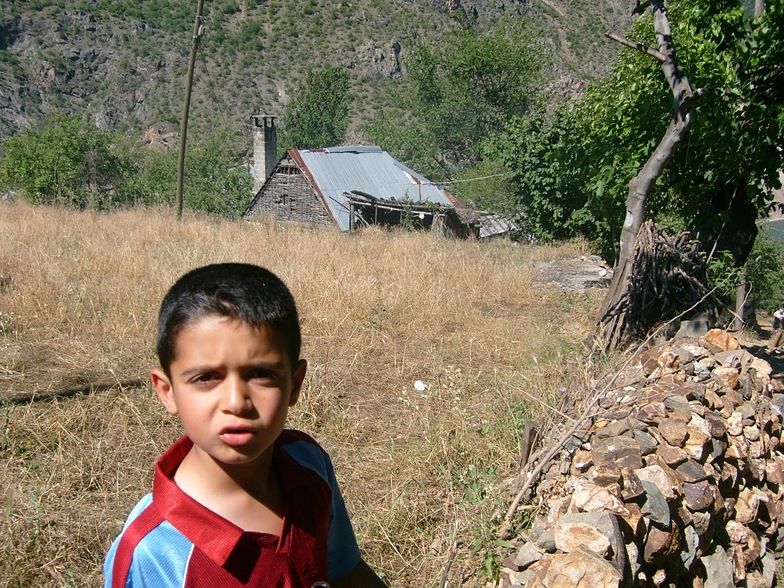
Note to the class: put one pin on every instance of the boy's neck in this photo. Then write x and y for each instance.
(249, 495)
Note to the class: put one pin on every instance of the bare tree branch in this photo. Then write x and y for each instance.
(635, 45)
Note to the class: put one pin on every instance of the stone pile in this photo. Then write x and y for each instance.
(678, 480)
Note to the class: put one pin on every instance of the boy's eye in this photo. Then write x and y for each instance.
(262, 375)
(204, 378)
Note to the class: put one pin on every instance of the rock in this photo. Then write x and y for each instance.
(631, 485)
(732, 398)
(645, 441)
(659, 577)
(622, 451)
(669, 359)
(614, 429)
(761, 367)
(738, 559)
(545, 541)
(735, 424)
(716, 425)
(729, 475)
(582, 460)
(526, 555)
(718, 569)
(606, 475)
(718, 340)
(698, 496)
(691, 471)
(701, 521)
(635, 521)
(655, 506)
(729, 358)
(589, 497)
(691, 543)
(661, 543)
(678, 405)
(602, 522)
(716, 449)
(738, 448)
(673, 431)
(690, 475)
(633, 557)
(571, 536)
(649, 362)
(670, 455)
(714, 400)
(652, 412)
(748, 504)
(664, 478)
(726, 376)
(774, 470)
(578, 569)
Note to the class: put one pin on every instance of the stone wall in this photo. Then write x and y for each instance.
(287, 197)
(676, 480)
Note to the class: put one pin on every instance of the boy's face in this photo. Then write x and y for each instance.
(231, 386)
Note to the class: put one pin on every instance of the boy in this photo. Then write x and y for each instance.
(238, 501)
(778, 327)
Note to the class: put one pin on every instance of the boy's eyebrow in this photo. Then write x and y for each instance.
(258, 365)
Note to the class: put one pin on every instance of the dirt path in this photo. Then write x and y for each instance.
(574, 274)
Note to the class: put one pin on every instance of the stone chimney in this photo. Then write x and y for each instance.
(265, 148)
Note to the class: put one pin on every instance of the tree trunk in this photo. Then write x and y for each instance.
(609, 327)
(740, 302)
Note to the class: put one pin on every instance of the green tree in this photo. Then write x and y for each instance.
(66, 161)
(318, 113)
(461, 91)
(764, 273)
(214, 181)
(572, 171)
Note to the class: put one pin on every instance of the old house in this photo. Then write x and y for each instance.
(352, 186)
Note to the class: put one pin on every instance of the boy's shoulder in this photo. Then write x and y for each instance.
(306, 452)
(295, 435)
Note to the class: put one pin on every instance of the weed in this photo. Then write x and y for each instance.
(420, 379)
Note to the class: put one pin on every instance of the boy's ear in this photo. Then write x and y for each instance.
(296, 381)
(163, 388)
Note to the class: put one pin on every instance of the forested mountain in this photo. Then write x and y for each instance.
(124, 61)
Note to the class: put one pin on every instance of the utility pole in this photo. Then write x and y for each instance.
(197, 32)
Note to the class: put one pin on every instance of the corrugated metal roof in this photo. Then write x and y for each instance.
(491, 224)
(368, 169)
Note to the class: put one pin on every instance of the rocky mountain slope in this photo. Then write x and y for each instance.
(124, 62)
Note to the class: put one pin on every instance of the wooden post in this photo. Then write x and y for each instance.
(187, 106)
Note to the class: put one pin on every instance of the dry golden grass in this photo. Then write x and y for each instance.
(79, 294)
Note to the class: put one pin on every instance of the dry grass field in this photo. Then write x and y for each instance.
(421, 471)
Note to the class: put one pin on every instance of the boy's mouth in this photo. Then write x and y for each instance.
(236, 435)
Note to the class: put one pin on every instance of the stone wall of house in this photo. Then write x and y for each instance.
(676, 479)
(287, 197)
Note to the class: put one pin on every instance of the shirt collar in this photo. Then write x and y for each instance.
(211, 533)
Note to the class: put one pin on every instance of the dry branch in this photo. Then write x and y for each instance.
(668, 275)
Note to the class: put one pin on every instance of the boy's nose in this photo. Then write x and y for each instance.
(236, 399)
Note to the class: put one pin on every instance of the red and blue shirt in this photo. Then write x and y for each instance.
(172, 541)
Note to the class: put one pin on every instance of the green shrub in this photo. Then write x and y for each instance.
(764, 274)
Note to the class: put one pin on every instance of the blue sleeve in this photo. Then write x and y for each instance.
(343, 553)
(342, 550)
(160, 559)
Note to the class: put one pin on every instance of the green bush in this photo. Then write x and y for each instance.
(764, 274)
(66, 161)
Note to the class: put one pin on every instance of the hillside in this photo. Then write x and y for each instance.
(124, 62)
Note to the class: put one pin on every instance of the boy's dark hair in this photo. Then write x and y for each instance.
(241, 291)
